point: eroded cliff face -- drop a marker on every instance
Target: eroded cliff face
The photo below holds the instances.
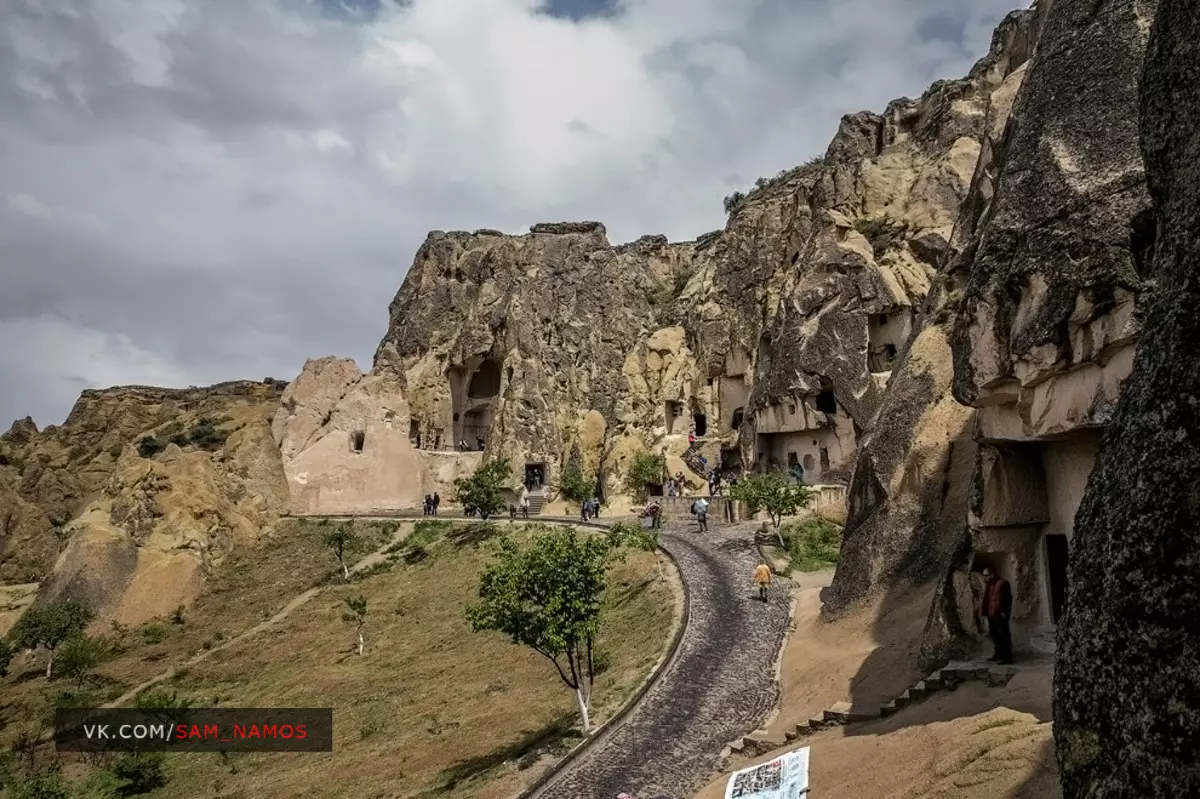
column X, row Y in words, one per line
column 907, row 502
column 1126, row 721
column 138, row 492
column 1050, row 281
column 771, row 339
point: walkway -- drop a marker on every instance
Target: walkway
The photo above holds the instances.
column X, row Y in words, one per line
column 720, row 684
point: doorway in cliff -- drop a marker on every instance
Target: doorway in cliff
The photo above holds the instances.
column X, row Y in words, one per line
column 357, row 440
column 739, row 415
column 700, row 423
column 826, row 402
column 672, row 411
column 1056, row 574
column 474, row 388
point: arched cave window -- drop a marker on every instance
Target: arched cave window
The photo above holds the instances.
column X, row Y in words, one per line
column 826, row 402
column 739, row 414
column 701, row 423
column 357, row 439
column 486, row 380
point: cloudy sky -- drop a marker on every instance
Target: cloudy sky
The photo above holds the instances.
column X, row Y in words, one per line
column 202, row 190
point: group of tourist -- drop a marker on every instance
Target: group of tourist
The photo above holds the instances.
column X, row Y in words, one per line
column 589, row 509
column 523, row 507
column 463, row 446
column 432, row 501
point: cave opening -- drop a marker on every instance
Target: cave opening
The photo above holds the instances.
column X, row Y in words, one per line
column 827, row 402
column 357, row 439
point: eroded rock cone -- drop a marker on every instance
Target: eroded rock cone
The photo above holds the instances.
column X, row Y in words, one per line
column 1127, row 683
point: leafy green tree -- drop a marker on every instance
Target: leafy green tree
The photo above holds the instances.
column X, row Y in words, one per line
column 480, row 492
column 51, row 625
column 774, row 492
column 79, row 656
column 548, row 596
column 575, row 485
column 356, row 614
column 634, row 536
column 6, row 656
column 339, row 538
column 645, row 470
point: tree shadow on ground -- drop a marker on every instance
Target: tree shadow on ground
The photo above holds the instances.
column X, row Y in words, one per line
column 557, row 736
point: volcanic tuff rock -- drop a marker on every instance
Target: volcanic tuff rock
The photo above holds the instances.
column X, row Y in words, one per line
column 86, row 513
column 1126, row 716
column 775, row 334
column 907, row 502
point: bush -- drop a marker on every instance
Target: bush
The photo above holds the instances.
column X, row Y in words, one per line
column 45, row 784
column 150, row 446
column 154, row 633
column 139, row 772
column 645, row 470
column 733, row 201
column 882, row 232
column 481, row 491
column 813, row 543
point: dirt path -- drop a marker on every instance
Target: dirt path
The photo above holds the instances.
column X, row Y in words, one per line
column 720, row 685
column 297, row 601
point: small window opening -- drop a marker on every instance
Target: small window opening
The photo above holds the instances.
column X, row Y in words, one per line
column 826, row 402
column 357, row 439
column 881, row 319
column 701, row 423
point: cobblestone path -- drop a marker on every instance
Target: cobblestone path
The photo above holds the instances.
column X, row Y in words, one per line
column 721, row 684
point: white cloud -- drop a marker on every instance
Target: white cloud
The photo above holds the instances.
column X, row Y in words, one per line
column 230, row 188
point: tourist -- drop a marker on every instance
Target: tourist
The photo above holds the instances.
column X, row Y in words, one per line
column 437, row 501
column 479, row 441
column 670, row 486
column 584, row 507
column 997, row 607
column 428, row 506
column 762, row 578
column 595, row 507
column 525, row 508
column 462, row 445
column 512, row 512
column 798, row 473
column 700, row 508
column 691, row 440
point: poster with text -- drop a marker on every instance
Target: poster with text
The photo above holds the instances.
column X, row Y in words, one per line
column 785, row 777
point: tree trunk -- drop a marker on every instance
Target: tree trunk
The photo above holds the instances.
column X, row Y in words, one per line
column 583, row 708
column 778, row 531
column 361, row 642
column 658, row 562
column 49, row 663
column 345, row 569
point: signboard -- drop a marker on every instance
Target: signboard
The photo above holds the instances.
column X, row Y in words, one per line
column 785, row 777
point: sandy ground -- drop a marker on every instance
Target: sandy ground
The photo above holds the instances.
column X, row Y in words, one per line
column 972, row 743
column 867, row 658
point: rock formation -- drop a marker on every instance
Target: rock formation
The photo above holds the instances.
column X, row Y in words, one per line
column 772, row 340
column 1126, row 720
column 138, row 492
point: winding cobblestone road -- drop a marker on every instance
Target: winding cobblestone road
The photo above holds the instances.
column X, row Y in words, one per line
column 720, row 685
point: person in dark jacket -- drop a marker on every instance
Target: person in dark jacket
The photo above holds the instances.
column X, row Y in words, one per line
column 997, row 608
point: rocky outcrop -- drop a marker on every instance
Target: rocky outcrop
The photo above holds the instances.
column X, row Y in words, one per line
column 130, row 501
column 771, row 339
column 1125, row 716
column 907, row 501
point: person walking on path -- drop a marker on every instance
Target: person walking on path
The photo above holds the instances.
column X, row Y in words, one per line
column 595, row 507
column 671, row 487
column 997, row 607
column 762, row 578
column 700, row 508
column 584, row 507
column 525, row 508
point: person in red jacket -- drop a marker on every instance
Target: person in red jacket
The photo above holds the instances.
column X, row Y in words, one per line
column 997, row 608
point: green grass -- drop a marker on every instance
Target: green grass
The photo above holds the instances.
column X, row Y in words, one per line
column 813, row 543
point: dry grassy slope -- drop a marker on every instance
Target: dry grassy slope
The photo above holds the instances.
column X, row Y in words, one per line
column 82, row 509
column 433, row 709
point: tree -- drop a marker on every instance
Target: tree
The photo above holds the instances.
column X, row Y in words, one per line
column 139, row 772
column 773, row 492
column 356, row 614
column 574, row 485
column 733, row 201
column 80, row 654
column 6, row 656
column 339, row 538
column 634, row 536
column 51, row 625
column 645, row 470
column 548, row 597
column 480, row 492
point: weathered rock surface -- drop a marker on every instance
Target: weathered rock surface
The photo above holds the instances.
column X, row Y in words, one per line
column 88, row 515
column 1126, row 715
column 907, row 501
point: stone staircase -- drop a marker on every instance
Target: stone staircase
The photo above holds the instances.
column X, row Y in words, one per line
column 841, row 713
column 537, row 501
